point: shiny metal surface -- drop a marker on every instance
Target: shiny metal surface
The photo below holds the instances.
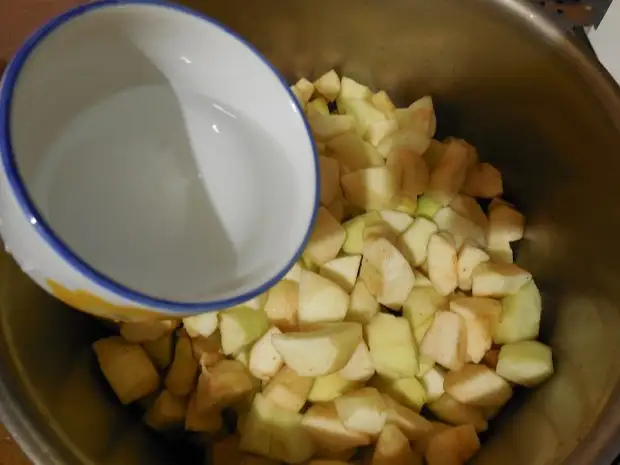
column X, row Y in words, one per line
column 504, row 78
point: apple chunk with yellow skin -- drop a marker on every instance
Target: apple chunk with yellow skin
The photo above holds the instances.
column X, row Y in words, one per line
column 324, row 425
column 397, row 276
column 326, row 240
column 362, row 410
column 320, row 352
column 446, row 341
column 393, row 448
column 478, row 385
column 370, row 188
column 454, row 446
column 342, row 271
column 520, row 317
column 481, row 315
column 442, row 263
column 320, row 300
column 288, row 390
column 392, row 348
column 492, row 279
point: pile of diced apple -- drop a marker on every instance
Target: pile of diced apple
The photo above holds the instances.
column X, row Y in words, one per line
column 403, row 329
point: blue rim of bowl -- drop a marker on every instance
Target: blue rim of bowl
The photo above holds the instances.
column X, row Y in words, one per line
column 11, row 76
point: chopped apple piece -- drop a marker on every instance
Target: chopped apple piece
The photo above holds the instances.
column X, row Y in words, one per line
column 342, row 271
column 324, row 425
column 384, row 103
column 397, row 275
column 354, row 228
column 379, row 130
column 329, row 387
column 414, row 241
column 449, row 175
column 303, row 90
column 276, row 433
column 160, row 350
column 392, row 448
column 326, row 240
column 407, row 391
column 265, row 361
column 293, row 275
column 362, row 410
column 328, row 85
column 241, row 326
column 427, row 207
column 528, row 363
column 403, row 139
column 432, row 381
column 498, row 279
column 222, row 385
column 419, row 117
column 454, row 446
column 467, row 207
column 413, row 173
column 520, row 318
column 208, row 350
column 181, row 376
column 469, row 257
column 446, row 341
column 484, row 181
column 330, row 179
column 370, row 188
column 336, row 206
column 317, row 106
column 207, row 421
column 420, row 308
column 392, row 348
column 398, row 221
column 434, row 153
column 450, row 410
column 353, row 153
column 256, row 303
column 481, row 315
column 363, row 306
column 379, row 230
column 506, row 225
column 491, row 358
column 421, row 280
column 371, row 277
column 364, row 112
column 203, row 325
column 127, row 368
column 167, row 412
column 477, row 385
column 442, row 263
column 283, row 304
column 459, row 227
column 421, row 445
column 411, row 423
column 320, row 300
column 351, row 89
column 144, row 331
column 326, row 127
column 288, row 390
column 360, row 367
column 320, row 352
column 501, row 252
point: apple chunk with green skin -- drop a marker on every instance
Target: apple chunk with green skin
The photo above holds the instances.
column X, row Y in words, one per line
column 478, row 385
column 446, row 341
column 320, row 352
column 241, row 326
column 520, row 317
column 414, row 241
column 397, row 275
column 454, row 446
column 481, row 315
column 362, row 410
column 342, row 271
column 393, row 448
column 528, row 363
column 370, row 188
column 491, row 279
column 442, row 263
column 326, row 240
column 320, row 300
column 392, row 348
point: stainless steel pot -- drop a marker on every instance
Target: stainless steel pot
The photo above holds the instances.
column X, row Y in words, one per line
column 532, row 101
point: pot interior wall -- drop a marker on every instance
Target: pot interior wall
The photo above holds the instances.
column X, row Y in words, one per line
column 518, row 91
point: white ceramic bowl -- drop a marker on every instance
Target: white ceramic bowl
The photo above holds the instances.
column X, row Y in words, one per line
column 152, row 162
